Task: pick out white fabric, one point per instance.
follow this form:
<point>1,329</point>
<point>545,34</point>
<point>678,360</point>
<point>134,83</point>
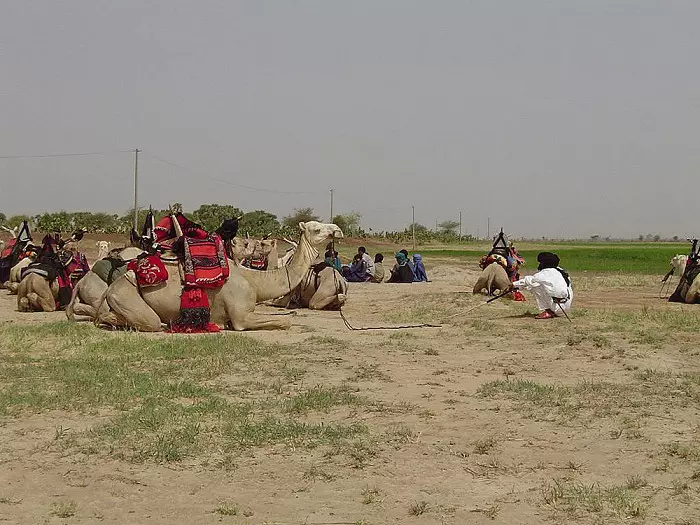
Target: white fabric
<point>545,285</point>
<point>369,263</point>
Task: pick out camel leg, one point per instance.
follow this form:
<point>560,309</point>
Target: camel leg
<point>12,287</point>
<point>86,297</point>
<point>693,295</point>
<point>128,308</point>
<point>254,321</point>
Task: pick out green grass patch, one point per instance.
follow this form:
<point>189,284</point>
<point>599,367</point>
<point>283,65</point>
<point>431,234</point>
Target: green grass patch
<point>169,398</point>
<point>640,258</point>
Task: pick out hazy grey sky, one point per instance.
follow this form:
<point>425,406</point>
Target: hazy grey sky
<point>555,118</point>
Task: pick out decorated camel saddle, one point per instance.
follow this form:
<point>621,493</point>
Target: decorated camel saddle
<point>688,289</point>
<point>199,257</point>
<point>504,253</point>
<point>59,261</point>
<point>16,249</point>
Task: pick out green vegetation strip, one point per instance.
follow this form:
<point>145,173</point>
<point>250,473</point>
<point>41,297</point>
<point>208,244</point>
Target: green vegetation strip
<point>169,398</point>
<point>638,258</point>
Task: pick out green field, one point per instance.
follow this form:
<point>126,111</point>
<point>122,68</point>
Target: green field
<point>638,258</point>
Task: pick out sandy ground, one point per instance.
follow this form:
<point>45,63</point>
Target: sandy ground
<point>439,371</point>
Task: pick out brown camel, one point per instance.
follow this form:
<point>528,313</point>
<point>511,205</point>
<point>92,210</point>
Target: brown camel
<point>494,277</point>
<point>35,294</point>
<point>231,305</point>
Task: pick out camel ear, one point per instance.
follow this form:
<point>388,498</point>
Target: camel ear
<point>302,226</point>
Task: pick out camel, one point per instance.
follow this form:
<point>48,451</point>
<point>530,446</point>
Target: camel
<point>89,290</point>
<point>34,293</point>
<point>231,305</point>
<point>88,293</point>
<point>322,288</point>
<point>494,277</point>
<point>16,274</point>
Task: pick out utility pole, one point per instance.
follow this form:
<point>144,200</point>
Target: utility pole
<point>435,225</point>
<point>488,228</point>
<point>331,207</point>
<point>136,190</point>
<point>413,227</point>
<point>460,226</point>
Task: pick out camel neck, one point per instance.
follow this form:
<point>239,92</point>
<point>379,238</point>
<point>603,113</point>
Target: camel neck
<point>272,284</point>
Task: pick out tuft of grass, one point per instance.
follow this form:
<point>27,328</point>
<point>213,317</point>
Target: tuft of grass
<point>321,398</point>
<point>593,498</point>
<point>486,445</point>
<point>400,434</point>
<point>431,351</point>
<point>64,510</point>
<point>366,372</point>
<point>418,508</point>
<point>371,495</point>
<point>635,482</point>
<point>227,509</point>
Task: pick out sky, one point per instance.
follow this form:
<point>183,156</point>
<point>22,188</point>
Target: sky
<point>556,119</point>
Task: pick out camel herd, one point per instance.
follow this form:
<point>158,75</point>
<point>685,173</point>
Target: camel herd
<point>288,279</point>
<point>299,278</point>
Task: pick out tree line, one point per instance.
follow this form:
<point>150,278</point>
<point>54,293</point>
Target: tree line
<point>256,223</point>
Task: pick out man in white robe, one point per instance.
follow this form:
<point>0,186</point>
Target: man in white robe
<point>551,287</point>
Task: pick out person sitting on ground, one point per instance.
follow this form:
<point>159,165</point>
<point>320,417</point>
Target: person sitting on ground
<point>369,264</point>
<point>419,269</point>
<point>551,286</point>
<point>357,271</point>
<point>378,276</point>
<point>331,257</point>
<point>401,273</point>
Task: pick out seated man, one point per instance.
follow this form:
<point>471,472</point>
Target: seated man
<point>332,258</point>
<point>419,269</point>
<point>369,264</point>
<point>401,273</point>
<point>551,286</point>
<point>357,271</point>
<point>378,276</point>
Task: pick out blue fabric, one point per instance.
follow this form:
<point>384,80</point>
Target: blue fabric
<point>418,269</point>
<point>401,258</point>
<point>356,272</point>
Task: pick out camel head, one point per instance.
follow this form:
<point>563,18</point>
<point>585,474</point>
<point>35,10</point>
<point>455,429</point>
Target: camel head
<point>242,248</point>
<point>265,246</point>
<point>678,262</point>
<point>102,249</point>
<point>318,233</point>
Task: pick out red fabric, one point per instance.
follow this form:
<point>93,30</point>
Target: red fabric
<point>165,230</point>
<point>7,251</point>
<point>206,264</point>
<point>194,313</point>
<point>518,296</point>
<point>149,270</point>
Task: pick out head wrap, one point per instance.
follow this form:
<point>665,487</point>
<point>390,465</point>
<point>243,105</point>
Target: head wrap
<point>547,260</point>
<point>378,258</point>
<point>401,258</point>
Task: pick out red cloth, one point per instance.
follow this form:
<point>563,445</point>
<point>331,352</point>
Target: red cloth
<point>206,264</point>
<point>149,270</point>
<point>7,251</point>
<point>194,313</point>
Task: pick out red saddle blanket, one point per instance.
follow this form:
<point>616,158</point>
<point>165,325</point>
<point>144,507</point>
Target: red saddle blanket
<point>149,270</point>
<point>206,264</point>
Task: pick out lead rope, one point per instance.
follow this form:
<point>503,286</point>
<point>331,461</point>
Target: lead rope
<point>365,328</point>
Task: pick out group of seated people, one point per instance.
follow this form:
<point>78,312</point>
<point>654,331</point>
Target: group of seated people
<point>364,269</point>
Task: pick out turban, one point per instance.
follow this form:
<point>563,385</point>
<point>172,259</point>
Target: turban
<point>547,260</point>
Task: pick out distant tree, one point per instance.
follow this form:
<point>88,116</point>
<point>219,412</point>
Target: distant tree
<point>641,237</point>
<point>210,216</point>
<point>349,223</point>
<point>259,223</point>
<point>595,237</point>
<point>292,221</point>
<point>448,227</point>
<point>657,238</point>
<point>16,220</point>
<point>53,222</point>
<point>3,217</point>
<point>675,238</point>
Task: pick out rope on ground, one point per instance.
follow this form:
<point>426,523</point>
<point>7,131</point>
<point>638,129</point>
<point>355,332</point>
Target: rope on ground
<point>395,327</point>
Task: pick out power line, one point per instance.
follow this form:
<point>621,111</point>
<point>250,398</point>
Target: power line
<point>63,155</point>
<point>223,181</point>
